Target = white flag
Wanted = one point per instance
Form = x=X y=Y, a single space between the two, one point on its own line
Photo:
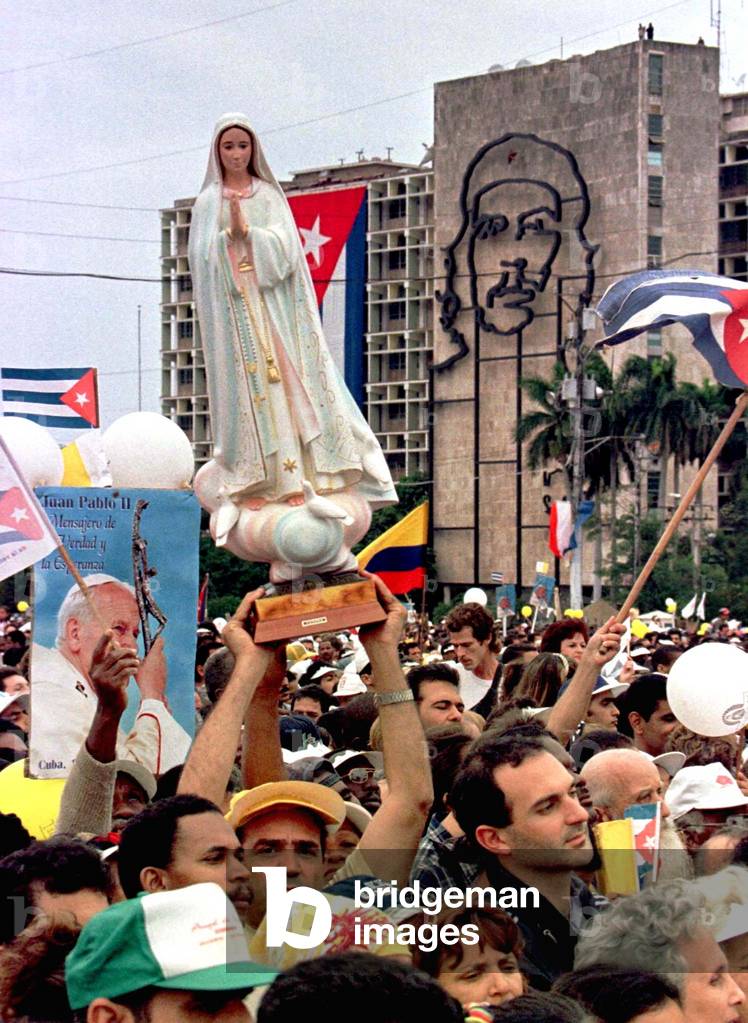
x=26 y=535
x=688 y=610
x=701 y=612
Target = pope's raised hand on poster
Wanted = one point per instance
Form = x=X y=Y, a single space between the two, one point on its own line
x=281 y=414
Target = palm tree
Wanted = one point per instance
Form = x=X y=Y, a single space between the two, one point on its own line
x=548 y=428
x=549 y=431
x=661 y=411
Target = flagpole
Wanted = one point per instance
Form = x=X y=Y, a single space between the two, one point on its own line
x=737 y=414
x=73 y=569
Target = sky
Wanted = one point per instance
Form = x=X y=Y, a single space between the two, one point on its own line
x=112 y=105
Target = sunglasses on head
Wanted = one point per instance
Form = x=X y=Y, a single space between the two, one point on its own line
x=359 y=775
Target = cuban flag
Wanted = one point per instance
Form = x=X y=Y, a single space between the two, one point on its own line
x=332 y=225
x=715 y=310
x=26 y=535
x=65 y=401
x=646 y=819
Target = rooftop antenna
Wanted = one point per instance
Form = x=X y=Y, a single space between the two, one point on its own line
x=715 y=20
x=389 y=152
x=359 y=155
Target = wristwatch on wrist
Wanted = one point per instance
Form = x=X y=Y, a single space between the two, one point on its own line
x=401 y=696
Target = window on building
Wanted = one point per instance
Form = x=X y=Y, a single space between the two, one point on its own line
x=185 y=282
x=654 y=343
x=654 y=250
x=185 y=376
x=654 y=154
x=734 y=233
x=396 y=259
x=654 y=125
x=185 y=423
x=741 y=153
x=396 y=411
x=653 y=489
x=741 y=208
x=396 y=361
x=740 y=268
x=396 y=310
x=185 y=328
x=396 y=208
x=733 y=176
x=722 y=154
x=656 y=67
x=655 y=190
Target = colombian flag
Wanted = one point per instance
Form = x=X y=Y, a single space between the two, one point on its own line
x=398 y=556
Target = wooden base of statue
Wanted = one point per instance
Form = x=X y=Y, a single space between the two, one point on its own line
x=307 y=612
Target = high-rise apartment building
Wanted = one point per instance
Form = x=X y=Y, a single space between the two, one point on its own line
x=733 y=187
x=400 y=309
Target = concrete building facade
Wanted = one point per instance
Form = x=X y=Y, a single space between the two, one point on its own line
x=614 y=150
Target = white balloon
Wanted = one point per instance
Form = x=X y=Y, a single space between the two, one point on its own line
x=147 y=450
x=475 y=595
x=707 y=689
x=35 y=451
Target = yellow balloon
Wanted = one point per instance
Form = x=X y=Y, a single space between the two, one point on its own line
x=670 y=605
x=527 y=611
x=22 y=606
x=35 y=801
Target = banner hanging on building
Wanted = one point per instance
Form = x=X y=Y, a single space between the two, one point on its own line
x=116 y=539
x=332 y=225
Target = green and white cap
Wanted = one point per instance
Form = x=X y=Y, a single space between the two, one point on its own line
x=190 y=939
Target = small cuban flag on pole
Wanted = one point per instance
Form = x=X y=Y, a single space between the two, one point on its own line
x=26 y=535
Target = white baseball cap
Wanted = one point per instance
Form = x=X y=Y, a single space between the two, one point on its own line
x=350 y=685
x=670 y=762
x=710 y=787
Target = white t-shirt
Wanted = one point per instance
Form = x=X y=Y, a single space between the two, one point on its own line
x=472 y=688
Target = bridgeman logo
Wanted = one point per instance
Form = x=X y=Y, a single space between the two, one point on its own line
x=311 y=911
x=280 y=905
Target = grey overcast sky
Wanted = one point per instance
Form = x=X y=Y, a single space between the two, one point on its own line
x=113 y=103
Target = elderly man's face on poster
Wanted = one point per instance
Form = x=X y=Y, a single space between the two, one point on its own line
x=514 y=238
x=118 y=609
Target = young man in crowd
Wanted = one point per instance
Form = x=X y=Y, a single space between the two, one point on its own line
x=311 y=702
x=471 y=632
x=518 y=806
x=436 y=689
x=646 y=715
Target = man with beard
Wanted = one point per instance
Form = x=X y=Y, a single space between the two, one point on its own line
x=618 y=778
x=517 y=805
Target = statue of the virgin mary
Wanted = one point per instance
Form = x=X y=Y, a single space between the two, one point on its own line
x=282 y=419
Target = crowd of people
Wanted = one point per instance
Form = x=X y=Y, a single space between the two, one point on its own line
x=428 y=758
